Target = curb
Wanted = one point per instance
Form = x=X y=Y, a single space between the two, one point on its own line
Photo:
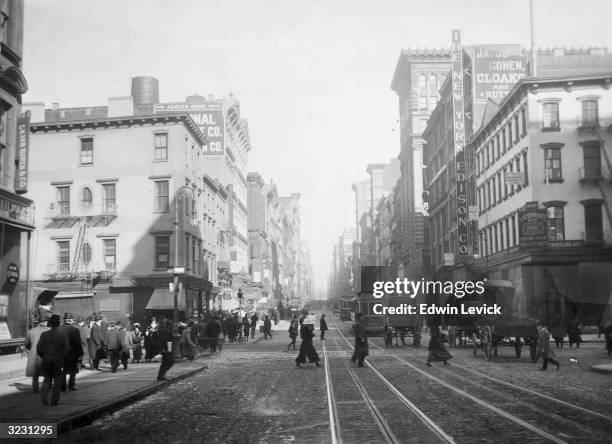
x=88 y=416
x=602 y=368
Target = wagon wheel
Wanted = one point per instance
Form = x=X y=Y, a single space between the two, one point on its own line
x=487 y=342
x=533 y=350
x=474 y=345
x=518 y=346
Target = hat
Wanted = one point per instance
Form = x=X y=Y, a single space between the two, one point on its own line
x=54 y=320
x=68 y=316
x=136 y=324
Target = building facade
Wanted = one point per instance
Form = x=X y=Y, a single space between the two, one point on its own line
x=16 y=224
x=121 y=200
x=544 y=192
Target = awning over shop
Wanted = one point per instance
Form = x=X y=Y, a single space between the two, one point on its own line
x=216 y=290
x=162 y=299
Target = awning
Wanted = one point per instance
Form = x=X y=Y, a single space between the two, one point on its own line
x=162 y=299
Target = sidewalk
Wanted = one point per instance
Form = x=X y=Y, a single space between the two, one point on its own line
x=99 y=392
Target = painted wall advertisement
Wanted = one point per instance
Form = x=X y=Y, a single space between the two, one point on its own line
x=23 y=143
x=208 y=116
x=459 y=142
x=533 y=226
x=495 y=73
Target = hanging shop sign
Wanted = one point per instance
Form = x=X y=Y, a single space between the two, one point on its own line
x=459 y=142
x=12 y=273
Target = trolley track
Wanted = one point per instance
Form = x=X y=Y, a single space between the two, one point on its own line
x=520 y=405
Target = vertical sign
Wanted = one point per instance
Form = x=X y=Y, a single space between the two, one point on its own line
x=23 y=142
x=459 y=142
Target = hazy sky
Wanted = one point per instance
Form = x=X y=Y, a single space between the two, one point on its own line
x=312 y=77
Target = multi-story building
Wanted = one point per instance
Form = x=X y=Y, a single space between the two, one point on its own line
x=226 y=161
x=121 y=199
x=544 y=192
x=383 y=231
x=15 y=209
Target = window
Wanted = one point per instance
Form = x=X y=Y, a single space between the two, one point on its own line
x=422 y=102
x=195 y=257
x=499 y=187
x=109 y=204
x=161 y=146
x=523 y=122
x=87 y=151
x=63 y=200
x=590 y=116
x=593 y=223
x=433 y=100
x=86 y=254
x=507 y=224
x=497 y=142
x=551 y=115
x=513 y=230
x=110 y=254
x=525 y=169
x=516 y=129
x=503 y=139
x=161 y=196
x=162 y=251
x=509 y=144
x=494 y=192
x=187 y=260
x=86 y=198
x=592 y=161
x=63 y=256
x=552 y=164
x=422 y=81
x=555 y=223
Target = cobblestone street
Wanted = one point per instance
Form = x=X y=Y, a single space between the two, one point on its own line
x=252 y=392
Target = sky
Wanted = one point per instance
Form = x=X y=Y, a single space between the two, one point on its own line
x=312 y=77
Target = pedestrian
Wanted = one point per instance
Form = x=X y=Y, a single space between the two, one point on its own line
x=52 y=347
x=293 y=332
x=254 y=320
x=307 y=350
x=135 y=342
x=167 y=360
x=84 y=332
x=548 y=355
x=96 y=344
x=437 y=350
x=152 y=341
x=188 y=347
x=361 y=342
x=213 y=328
x=574 y=333
x=34 y=365
x=245 y=327
x=323 y=327
x=124 y=354
x=275 y=317
x=388 y=336
x=267 y=327
x=608 y=337
x=71 y=363
x=114 y=347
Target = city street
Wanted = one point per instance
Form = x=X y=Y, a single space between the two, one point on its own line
x=253 y=392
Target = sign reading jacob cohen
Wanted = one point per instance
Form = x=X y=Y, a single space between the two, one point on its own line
x=495 y=73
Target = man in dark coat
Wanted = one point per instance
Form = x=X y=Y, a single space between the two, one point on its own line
x=71 y=364
x=245 y=328
x=267 y=327
x=548 y=355
x=307 y=350
x=124 y=354
x=114 y=347
x=361 y=341
x=167 y=361
x=212 y=333
x=53 y=347
x=254 y=320
x=437 y=350
x=96 y=344
x=323 y=327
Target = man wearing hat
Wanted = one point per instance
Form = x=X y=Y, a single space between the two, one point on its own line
x=71 y=364
x=53 y=347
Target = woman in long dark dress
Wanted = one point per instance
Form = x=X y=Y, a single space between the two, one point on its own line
x=307 y=350
x=361 y=342
x=437 y=350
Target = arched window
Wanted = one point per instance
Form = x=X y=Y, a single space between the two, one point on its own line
x=86 y=254
x=86 y=198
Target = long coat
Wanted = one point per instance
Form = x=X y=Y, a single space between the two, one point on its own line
x=34 y=365
x=188 y=348
x=437 y=350
x=85 y=338
x=544 y=344
x=95 y=340
x=71 y=364
x=361 y=341
x=323 y=325
x=307 y=350
x=53 y=347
